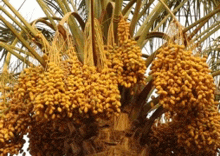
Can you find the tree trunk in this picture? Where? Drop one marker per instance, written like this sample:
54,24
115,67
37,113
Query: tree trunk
114,141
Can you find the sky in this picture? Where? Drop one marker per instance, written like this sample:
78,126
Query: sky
30,9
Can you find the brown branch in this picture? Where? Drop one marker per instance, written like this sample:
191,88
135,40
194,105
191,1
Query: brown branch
149,123
140,101
128,6
216,73
147,107
135,17
155,34
145,55
93,33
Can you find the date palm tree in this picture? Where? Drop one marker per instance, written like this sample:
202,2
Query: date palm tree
24,44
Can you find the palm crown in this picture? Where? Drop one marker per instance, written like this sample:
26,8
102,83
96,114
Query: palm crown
85,90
